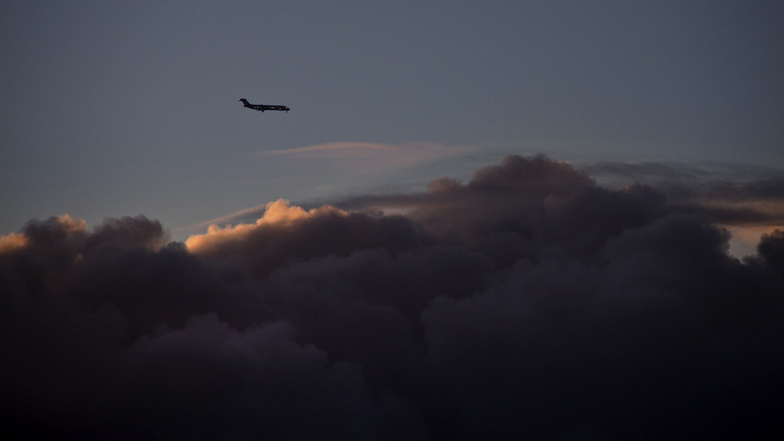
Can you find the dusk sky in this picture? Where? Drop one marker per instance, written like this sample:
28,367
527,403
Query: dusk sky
479,220
124,108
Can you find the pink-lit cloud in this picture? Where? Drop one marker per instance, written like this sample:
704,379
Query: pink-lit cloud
371,157
12,241
279,213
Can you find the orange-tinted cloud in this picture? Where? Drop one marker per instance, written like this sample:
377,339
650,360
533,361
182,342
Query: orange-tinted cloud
63,224
279,213
12,242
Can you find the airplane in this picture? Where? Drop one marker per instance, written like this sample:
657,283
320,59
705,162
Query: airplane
263,107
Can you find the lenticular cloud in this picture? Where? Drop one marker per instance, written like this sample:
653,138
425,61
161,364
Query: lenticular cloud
528,302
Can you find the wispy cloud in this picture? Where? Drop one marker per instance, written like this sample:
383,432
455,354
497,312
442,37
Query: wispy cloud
340,162
246,214
372,156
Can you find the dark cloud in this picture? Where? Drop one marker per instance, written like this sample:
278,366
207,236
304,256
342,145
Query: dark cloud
723,193
528,302
771,249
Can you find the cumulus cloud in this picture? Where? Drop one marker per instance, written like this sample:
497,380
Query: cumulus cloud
747,200
729,194
279,212
527,302
12,241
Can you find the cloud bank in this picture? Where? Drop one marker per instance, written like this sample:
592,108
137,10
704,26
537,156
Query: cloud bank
528,302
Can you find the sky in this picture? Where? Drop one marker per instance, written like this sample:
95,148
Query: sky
115,108
479,220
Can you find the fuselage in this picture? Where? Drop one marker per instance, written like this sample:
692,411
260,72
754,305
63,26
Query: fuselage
274,107
263,107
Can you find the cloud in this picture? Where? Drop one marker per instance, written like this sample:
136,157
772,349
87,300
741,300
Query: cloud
747,200
771,248
528,302
371,157
279,212
12,241
725,193
411,151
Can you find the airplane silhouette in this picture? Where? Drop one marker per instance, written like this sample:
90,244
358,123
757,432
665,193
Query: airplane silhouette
263,107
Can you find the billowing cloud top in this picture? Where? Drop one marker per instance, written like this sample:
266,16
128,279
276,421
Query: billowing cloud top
528,302
276,214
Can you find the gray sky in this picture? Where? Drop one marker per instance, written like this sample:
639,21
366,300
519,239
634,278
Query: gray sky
536,299
111,108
